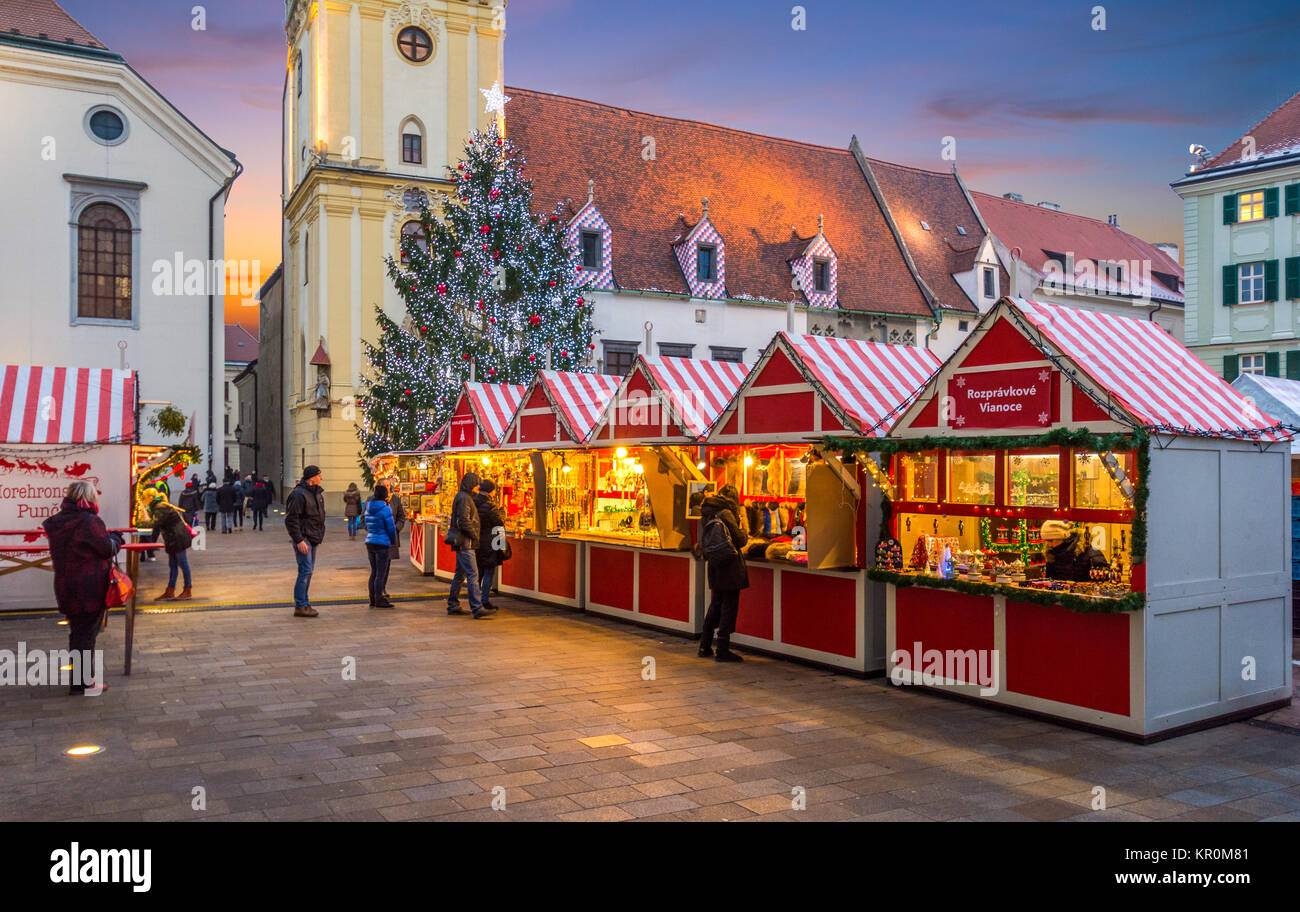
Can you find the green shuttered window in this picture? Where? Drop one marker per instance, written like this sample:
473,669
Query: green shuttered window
1271,364
1229,367
1270,202
1292,206
1230,209
1270,280
1229,285
1293,365
1293,277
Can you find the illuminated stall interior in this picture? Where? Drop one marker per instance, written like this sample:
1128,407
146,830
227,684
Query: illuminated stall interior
798,505
978,515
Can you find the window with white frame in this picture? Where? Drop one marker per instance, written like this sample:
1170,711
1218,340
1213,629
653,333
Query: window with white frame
1251,364
1250,283
1250,206
990,289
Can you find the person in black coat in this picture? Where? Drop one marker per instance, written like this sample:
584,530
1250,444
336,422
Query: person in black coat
1069,555
227,497
727,573
490,542
81,552
189,502
261,503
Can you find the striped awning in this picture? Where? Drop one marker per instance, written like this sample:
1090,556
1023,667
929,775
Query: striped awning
494,404
579,398
871,382
67,405
1158,381
696,391
434,439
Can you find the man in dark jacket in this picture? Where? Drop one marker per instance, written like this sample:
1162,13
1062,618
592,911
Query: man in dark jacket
81,553
491,540
1069,555
727,572
226,497
304,518
463,537
261,502
190,502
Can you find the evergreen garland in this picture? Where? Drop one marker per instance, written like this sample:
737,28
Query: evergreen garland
1134,601
492,294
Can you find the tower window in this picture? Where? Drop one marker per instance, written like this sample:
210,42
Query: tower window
412,148
705,265
104,259
297,67
590,250
821,275
990,290
414,230
415,44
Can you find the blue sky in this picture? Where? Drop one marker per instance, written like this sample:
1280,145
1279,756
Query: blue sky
1038,101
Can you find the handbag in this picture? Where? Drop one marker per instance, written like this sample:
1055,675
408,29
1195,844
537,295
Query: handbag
120,588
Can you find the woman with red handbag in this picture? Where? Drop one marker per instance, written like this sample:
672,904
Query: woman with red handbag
81,551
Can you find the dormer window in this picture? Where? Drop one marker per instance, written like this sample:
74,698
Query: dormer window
706,263
961,230
925,225
821,275
591,250
990,289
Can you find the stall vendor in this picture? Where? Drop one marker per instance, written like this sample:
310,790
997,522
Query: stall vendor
1069,555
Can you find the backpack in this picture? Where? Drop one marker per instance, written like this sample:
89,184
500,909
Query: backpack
717,544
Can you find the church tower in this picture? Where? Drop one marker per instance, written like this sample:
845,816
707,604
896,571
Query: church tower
380,97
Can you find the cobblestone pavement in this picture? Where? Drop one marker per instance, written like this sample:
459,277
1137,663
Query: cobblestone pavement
548,709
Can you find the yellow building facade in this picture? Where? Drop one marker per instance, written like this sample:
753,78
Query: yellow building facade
380,97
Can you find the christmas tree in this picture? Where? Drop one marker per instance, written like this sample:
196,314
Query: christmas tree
492,293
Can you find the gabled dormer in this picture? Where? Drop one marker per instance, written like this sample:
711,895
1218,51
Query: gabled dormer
702,256
588,236
816,270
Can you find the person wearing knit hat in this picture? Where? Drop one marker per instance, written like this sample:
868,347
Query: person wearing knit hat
304,520
1069,554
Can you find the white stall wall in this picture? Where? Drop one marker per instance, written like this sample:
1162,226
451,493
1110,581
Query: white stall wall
29,496
1218,580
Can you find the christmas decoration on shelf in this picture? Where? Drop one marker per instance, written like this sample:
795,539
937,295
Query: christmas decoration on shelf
889,554
490,295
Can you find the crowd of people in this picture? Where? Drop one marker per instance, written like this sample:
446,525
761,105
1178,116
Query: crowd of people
83,550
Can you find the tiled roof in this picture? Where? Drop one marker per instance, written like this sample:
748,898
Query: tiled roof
765,195
1040,233
1276,134
241,345
914,196
43,19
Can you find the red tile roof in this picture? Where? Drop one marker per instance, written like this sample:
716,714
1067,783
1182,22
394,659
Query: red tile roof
1041,233
44,19
1276,134
241,345
764,198
914,195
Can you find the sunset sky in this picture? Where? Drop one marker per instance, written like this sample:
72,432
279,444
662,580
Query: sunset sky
1038,101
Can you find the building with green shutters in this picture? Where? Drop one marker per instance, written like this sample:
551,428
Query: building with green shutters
1241,241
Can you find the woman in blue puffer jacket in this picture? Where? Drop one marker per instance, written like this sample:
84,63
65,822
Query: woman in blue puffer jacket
381,532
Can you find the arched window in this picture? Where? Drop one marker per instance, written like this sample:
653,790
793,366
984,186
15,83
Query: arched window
412,137
412,229
104,263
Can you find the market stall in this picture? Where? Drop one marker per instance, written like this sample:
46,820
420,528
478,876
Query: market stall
429,477
556,413
811,515
1065,532
641,466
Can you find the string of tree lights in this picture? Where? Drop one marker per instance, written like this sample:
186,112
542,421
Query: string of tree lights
492,294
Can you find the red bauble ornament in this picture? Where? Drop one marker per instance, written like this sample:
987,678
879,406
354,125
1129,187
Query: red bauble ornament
592,346
580,302
496,254
465,357
532,357
534,319
564,354
555,218
484,229
552,283
479,302
424,329
494,193
460,166
406,392
519,247
493,320
486,246
442,288
491,372
456,254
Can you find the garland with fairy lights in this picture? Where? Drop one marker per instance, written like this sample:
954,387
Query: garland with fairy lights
1134,601
492,292
177,458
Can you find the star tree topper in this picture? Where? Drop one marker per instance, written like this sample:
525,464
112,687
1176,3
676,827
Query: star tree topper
496,99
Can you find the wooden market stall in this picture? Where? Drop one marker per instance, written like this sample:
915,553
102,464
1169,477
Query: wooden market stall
1071,535
556,412
58,425
429,477
645,459
812,517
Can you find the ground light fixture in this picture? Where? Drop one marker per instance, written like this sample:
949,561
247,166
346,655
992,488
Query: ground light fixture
83,750
63,622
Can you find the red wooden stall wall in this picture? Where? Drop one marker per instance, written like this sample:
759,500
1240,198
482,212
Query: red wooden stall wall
819,612
519,571
557,568
942,620
611,577
1063,655
665,586
757,604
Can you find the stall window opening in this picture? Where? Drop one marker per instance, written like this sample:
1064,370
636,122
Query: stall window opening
1099,481
920,477
1034,479
972,478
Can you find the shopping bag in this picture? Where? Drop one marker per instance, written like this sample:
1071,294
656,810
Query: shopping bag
120,588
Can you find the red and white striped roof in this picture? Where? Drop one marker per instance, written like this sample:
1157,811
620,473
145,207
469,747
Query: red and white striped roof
579,398
871,382
1158,381
697,391
67,404
494,404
